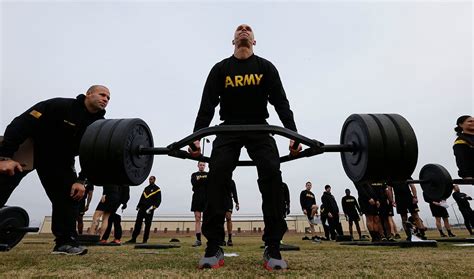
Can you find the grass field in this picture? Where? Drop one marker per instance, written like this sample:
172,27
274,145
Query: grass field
32,258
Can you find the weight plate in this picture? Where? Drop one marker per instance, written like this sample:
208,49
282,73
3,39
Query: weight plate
366,162
409,147
436,182
12,217
109,152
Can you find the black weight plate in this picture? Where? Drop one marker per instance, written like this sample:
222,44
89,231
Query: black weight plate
366,162
105,172
12,217
109,152
392,148
436,182
409,146
87,149
128,136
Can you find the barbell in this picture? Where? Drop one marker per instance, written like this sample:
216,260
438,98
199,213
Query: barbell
436,182
14,223
373,147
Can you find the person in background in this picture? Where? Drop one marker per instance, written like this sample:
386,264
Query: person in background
309,207
115,218
463,203
352,211
84,206
149,201
230,207
198,203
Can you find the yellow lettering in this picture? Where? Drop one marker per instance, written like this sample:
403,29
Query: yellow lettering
258,78
238,80
249,80
228,81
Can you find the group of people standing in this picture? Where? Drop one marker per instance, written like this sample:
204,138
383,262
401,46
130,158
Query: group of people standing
243,85
108,206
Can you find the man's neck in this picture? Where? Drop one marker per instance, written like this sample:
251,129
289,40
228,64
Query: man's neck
243,53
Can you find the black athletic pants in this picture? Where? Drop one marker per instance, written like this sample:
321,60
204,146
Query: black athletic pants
114,219
138,224
468,216
57,183
263,151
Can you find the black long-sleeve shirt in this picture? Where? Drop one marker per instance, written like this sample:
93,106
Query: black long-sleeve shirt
462,200
464,152
350,205
56,127
329,203
307,199
243,88
151,196
199,182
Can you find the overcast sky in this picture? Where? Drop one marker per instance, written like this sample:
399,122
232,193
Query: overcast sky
335,58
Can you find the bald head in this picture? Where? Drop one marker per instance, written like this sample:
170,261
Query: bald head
94,88
243,41
97,98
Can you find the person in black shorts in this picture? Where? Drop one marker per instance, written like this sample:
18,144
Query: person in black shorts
406,200
149,201
463,203
438,210
309,207
352,211
83,206
369,205
232,195
115,218
198,203
108,204
243,85
385,209
56,127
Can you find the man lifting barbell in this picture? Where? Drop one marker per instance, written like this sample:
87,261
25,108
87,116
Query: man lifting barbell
243,84
56,127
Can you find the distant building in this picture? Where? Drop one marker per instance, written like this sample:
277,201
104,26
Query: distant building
179,224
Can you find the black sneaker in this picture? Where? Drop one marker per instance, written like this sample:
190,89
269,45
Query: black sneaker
67,249
397,236
272,259
197,243
131,241
229,242
443,235
450,234
214,258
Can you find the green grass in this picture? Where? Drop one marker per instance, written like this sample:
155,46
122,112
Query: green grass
32,258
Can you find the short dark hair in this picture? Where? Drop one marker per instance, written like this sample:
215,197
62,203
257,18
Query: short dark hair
327,186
